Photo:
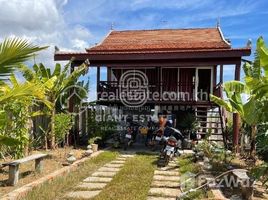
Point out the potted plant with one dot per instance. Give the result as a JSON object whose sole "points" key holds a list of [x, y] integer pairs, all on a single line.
{"points": [[92, 142]]}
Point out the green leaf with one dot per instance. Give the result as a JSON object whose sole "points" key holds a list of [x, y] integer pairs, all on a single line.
{"points": [[221, 102], [251, 114], [8, 141], [14, 51]]}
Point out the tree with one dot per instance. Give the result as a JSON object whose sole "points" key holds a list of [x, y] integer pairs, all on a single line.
{"points": [[16, 97], [60, 79], [252, 109], [246, 108]]}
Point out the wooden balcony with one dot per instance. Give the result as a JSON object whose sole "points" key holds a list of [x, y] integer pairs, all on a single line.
{"points": [[110, 91]]}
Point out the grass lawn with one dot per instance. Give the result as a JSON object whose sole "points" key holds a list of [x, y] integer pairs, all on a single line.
{"points": [[61, 185], [133, 181]]}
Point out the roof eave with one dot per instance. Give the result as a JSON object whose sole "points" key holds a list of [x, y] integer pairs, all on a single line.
{"points": [[153, 56]]}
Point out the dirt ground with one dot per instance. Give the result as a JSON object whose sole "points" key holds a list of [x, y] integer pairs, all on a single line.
{"points": [[27, 174]]}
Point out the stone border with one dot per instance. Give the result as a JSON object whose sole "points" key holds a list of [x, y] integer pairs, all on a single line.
{"points": [[24, 190]]}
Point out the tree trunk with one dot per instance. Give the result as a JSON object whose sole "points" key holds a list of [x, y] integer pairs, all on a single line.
{"points": [[253, 140], [52, 131]]}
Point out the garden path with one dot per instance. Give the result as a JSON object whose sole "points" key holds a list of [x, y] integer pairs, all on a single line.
{"points": [[93, 185], [165, 184]]}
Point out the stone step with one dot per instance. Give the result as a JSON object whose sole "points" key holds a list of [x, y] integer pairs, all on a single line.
{"points": [[167, 173], [114, 165], [97, 179], [127, 155], [121, 158], [103, 174], [173, 164], [160, 198], [169, 168], [118, 162], [82, 194], [166, 178], [108, 169], [91, 186], [166, 184], [164, 192]]}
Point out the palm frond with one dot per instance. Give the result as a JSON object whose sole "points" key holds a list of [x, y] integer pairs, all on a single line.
{"points": [[14, 51]]}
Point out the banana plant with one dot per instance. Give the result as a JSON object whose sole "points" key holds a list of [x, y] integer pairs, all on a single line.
{"points": [[246, 108], [252, 109], [59, 79]]}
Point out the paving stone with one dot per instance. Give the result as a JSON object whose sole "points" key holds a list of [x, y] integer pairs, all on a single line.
{"points": [[160, 198], [83, 194], [104, 174], [167, 173], [169, 168], [121, 158], [166, 178], [114, 165], [164, 192], [118, 162], [166, 184], [92, 186], [172, 164], [108, 169], [127, 155], [98, 179]]}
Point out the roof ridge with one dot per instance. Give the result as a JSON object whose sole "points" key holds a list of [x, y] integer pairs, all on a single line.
{"points": [[164, 29]]}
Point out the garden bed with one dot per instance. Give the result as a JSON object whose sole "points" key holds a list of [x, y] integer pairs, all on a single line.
{"points": [[27, 174]]}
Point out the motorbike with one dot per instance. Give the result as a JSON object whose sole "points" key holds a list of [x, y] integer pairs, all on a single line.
{"points": [[128, 140], [170, 149], [157, 138]]}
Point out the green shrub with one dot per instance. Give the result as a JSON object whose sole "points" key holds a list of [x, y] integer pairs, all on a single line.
{"points": [[63, 124]]}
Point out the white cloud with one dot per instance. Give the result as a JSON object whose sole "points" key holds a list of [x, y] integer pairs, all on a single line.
{"points": [[43, 23]]}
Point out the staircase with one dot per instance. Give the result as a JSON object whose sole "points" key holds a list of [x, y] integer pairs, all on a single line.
{"points": [[210, 121]]}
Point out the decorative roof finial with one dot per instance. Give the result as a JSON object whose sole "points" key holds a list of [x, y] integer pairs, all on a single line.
{"points": [[112, 26], [249, 43], [218, 22], [57, 48]]}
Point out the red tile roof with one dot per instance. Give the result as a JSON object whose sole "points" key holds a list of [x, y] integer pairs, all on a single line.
{"points": [[141, 41]]}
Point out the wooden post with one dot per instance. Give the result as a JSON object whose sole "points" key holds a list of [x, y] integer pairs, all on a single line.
{"points": [[38, 165], [13, 174], [236, 117], [109, 73], [98, 81], [221, 73]]}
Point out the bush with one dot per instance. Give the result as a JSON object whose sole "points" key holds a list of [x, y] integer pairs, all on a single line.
{"points": [[63, 124]]}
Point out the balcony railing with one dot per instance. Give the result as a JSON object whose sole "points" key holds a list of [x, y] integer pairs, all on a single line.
{"points": [[111, 90]]}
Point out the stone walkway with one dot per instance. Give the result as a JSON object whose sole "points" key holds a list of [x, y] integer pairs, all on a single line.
{"points": [[165, 184], [93, 185]]}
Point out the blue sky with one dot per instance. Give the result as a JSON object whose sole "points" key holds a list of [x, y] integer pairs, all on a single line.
{"points": [[78, 24]]}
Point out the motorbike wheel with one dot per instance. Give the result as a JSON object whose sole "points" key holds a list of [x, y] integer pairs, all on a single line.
{"points": [[126, 142], [166, 159]]}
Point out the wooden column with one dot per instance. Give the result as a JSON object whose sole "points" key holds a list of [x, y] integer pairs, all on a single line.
{"points": [[236, 117], [98, 81], [221, 73], [109, 73]]}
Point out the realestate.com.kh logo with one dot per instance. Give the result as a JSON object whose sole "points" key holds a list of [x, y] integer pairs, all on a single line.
{"points": [[134, 88]]}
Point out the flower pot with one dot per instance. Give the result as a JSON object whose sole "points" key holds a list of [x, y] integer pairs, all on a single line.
{"points": [[94, 147]]}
